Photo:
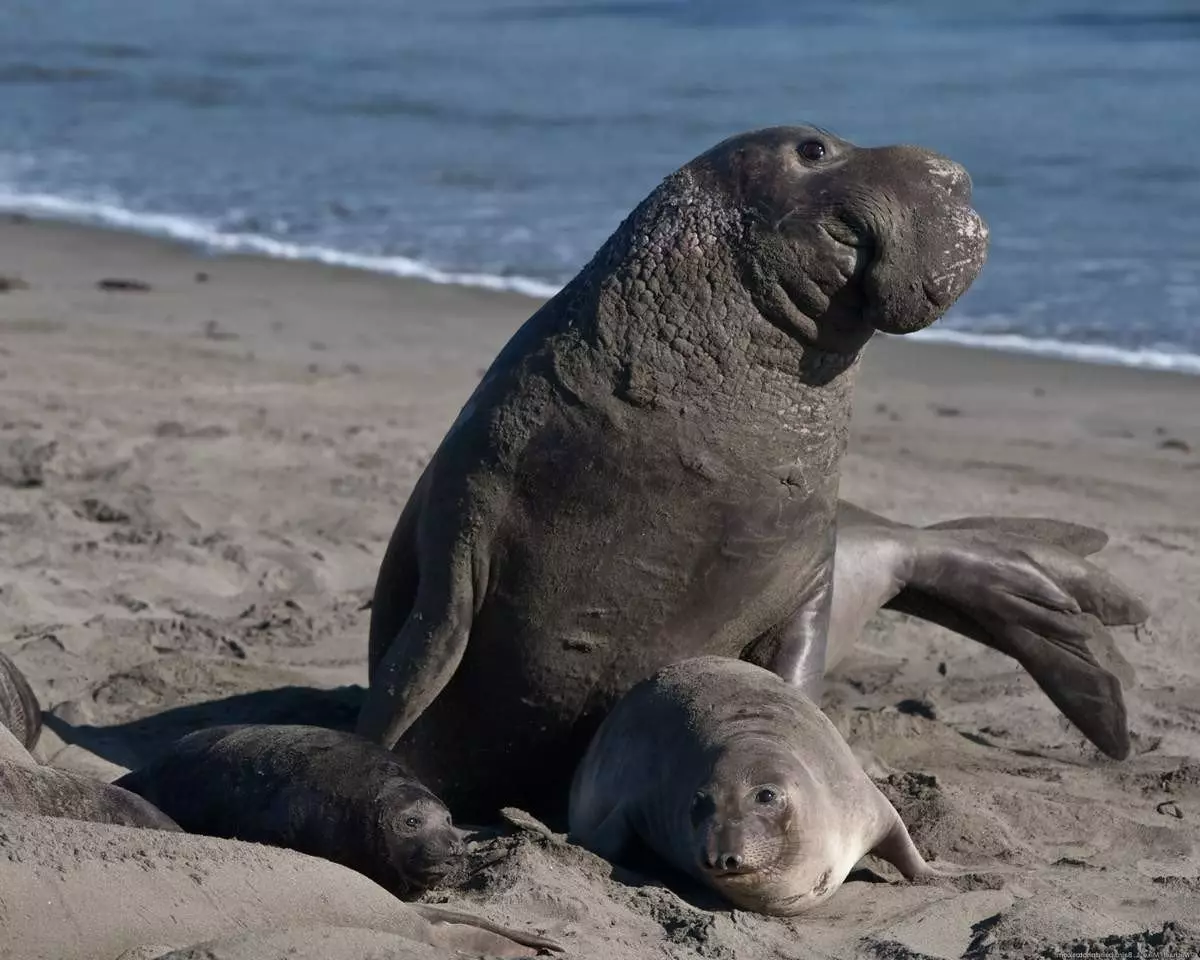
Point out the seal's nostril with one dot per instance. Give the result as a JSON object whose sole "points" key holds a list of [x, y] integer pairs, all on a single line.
{"points": [[731, 861]]}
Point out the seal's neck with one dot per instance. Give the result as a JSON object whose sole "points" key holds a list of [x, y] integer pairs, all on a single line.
{"points": [[665, 304]]}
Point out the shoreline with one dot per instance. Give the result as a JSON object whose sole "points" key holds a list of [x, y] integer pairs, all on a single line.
{"points": [[204, 242]]}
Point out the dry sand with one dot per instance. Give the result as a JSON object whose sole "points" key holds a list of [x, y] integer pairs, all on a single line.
{"points": [[197, 483]]}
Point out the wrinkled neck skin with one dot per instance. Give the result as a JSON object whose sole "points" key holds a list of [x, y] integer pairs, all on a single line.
{"points": [[668, 323]]}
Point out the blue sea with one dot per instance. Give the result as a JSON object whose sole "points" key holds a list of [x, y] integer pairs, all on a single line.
{"points": [[498, 143]]}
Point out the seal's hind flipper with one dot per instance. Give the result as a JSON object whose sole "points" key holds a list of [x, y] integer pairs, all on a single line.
{"points": [[1058, 654], [1078, 539]]}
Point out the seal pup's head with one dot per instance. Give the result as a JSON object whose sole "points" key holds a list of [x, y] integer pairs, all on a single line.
{"points": [[421, 842], [767, 832]]}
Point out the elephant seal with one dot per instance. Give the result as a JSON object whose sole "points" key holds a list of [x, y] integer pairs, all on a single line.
{"points": [[31, 788], [323, 792], [736, 778], [649, 469], [68, 888], [19, 708]]}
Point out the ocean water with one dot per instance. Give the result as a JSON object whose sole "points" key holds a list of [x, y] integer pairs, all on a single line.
{"points": [[498, 143]]}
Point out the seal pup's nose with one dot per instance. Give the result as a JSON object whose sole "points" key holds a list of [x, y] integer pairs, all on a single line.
{"points": [[718, 860]]}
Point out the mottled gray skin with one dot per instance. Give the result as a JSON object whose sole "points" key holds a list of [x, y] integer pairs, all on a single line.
{"points": [[322, 792], [43, 791], [1017, 584], [737, 779], [19, 709], [649, 469]]}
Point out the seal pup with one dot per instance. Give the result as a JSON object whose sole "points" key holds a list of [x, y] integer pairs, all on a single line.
{"points": [[68, 885], [735, 778], [32, 788], [19, 708], [649, 469], [323, 792], [309, 942]]}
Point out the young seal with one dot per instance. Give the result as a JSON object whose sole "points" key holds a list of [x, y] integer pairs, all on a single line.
{"points": [[319, 791], [649, 469], [31, 788], [737, 779], [80, 891], [19, 708]]}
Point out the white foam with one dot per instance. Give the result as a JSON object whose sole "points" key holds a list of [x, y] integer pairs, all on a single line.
{"points": [[209, 237], [1063, 350]]}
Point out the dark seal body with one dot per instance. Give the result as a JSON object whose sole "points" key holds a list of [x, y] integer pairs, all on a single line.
{"points": [[322, 792], [19, 709], [649, 469]]}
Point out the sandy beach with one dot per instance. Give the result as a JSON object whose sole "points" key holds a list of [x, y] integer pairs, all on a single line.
{"points": [[198, 479]]}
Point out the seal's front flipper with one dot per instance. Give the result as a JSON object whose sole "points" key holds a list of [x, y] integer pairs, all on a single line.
{"points": [[462, 931], [898, 849], [424, 656]]}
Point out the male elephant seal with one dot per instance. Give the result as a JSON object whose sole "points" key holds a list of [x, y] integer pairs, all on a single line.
{"points": [[649, 469], [319, 791], [736, 778], [83, 891], [19, 709]]}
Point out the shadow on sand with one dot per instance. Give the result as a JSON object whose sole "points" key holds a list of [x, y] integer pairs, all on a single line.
{"points": [[139, 741]]}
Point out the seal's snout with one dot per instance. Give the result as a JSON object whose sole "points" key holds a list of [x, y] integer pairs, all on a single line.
{"points": [[932, 243], [948, 175], [716, 859]]}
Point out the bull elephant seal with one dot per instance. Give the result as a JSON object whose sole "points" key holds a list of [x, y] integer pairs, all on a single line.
{"points": [[19, 708], [80, 891], [737, 779], [649, 469], [323, 792]]}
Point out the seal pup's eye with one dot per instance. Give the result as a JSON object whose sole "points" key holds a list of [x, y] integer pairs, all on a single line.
{"points": [[766, 795], [812, 150], [412, 821], [702, 806]]}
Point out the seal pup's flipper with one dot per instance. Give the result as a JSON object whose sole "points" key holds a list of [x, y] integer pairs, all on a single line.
{"points": [[470, 939]]}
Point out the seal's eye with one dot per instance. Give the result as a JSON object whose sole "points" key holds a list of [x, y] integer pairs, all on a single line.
{"points": [[765, 795], [412, 822], [813, 150]]}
